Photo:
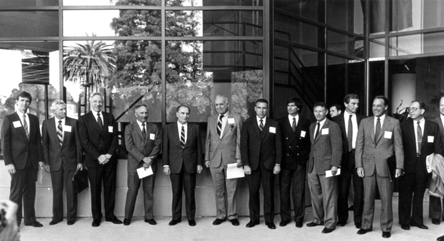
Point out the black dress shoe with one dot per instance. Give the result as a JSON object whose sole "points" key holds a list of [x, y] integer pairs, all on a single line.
{"points": [[341, 223], [192, 223], [252, 224], [283, 223], [113, 220], [386, 234], [436, 221], [53, 222], [271, 226], [421, 226], [174, 222], [96, 223], [235, 222], [218, 221], [34, 224], [126, 221], [405, 227], [313, 224], [151, 221], [298, 224], [363, 231], [71, 222], [358, 225], [327, 230]]}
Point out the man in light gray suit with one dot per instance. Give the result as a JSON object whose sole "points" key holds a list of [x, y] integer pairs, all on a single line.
{"points": [[223, 147], [379, 139], [325, 155]]}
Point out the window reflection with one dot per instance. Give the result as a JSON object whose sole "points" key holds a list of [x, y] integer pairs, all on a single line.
{"points": [[201, 3]]}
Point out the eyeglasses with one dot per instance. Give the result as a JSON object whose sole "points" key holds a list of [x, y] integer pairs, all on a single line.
{"points": [[413, 109]]}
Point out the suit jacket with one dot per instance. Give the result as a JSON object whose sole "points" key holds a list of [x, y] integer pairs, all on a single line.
{"points": [[175, 156], [17, 149], [296, 145], [441, 127], [225, 149], [431, 143], [69, 153], [139, 147], [340, 119], [374, 156], [96, 142], [326, 149], [255, 148]]}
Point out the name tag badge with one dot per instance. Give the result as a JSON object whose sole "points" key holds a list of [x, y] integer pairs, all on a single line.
{"points": [[324, 131], [272, 129], [152, 136], [303, 134], [110, 129], [67, 128], [17, 124], [430, 139], [231, 121], [388, 135]]}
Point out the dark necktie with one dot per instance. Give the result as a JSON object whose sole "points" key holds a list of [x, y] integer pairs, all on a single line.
{"points": [[318, 129], [378, 129], [25, 126], [182, 136], [293, 124], [350, 134], [60, 132], [143, 131], [99, 121], [261, 124], [219, 125], [419, 138]]}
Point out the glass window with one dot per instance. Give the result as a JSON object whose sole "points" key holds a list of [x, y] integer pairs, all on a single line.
{"points": [[346, 15], [413, 15], [28, 3], [111, 2], [416, 44], [288, 28], [344, 44], [307, 9], [377, 48], [198, 71], [29, 24], [202, 3]]}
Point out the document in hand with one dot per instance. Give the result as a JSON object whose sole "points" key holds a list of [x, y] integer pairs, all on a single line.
{"points": [[142, 172], [429, 160], [234, 172], [329, 174]]}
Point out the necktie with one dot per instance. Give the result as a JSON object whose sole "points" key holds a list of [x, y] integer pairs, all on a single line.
{"points": [[182, 136], [318, 129], [219, 125], [350, 134], [143, 131], [60, 132], [261, 124], [293, 124], [419, 138], [378, 129], [99, 121], [25, 126]]}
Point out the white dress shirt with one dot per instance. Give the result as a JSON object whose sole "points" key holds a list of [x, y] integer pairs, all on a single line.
{"points": [[224, 122], [355, 127], [381, 120], [258, 120], [179, 129], [290, 119], [20, 114], [415, 126], [321, 124]]}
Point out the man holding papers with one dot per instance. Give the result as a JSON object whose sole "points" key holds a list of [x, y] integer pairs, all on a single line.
{"points": [[296, 148], [379, 139], [261, 149], [143, 142], [222, 147], [420, 138], [325, 158]]}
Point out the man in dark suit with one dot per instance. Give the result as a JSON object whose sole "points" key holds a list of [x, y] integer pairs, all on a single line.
{"points": [[436, 210], [98, 136], [63, 157], [325, 156], [182, 159], [296, 148], [22, 152], [222, 147], [379, 139], [349, 122], [420, 138], [261, 151], [143, 142]]}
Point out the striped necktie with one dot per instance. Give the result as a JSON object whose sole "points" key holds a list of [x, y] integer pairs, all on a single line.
{"points": [[219, 125], [143, 131], [261, 124], [60, 132], [25, 126], [99, 121], [182, 136]]}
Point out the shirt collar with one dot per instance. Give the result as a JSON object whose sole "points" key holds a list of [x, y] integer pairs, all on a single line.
{"points": [[321, 123], [180, 124], [258, 119]]}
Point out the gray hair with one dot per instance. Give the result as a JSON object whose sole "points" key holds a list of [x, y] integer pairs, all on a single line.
{"points": [[96, 93], [55, 103], [223, 97]]}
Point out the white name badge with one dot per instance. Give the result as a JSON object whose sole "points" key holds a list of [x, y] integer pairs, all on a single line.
{"points": [[388, 135], [302, 133], [110, 129], [17, 124], [324, 131], [272, 129], [152, 136], [67, 128], [430, 139], [231, 121]]}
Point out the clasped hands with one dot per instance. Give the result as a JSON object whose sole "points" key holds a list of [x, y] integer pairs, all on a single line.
{"points": [[104, 158], [276, 169]]}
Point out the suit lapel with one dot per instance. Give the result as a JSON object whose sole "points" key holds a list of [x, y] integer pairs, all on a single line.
{"points": [[320, 131], [256, 127], [94, 121], [52, 129], [189, 131], [226, 125], [383, 128], [136, 127], [411, 132], [298, 131], [424, 136], [17, 118], [266, 130], [289, 130]]}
